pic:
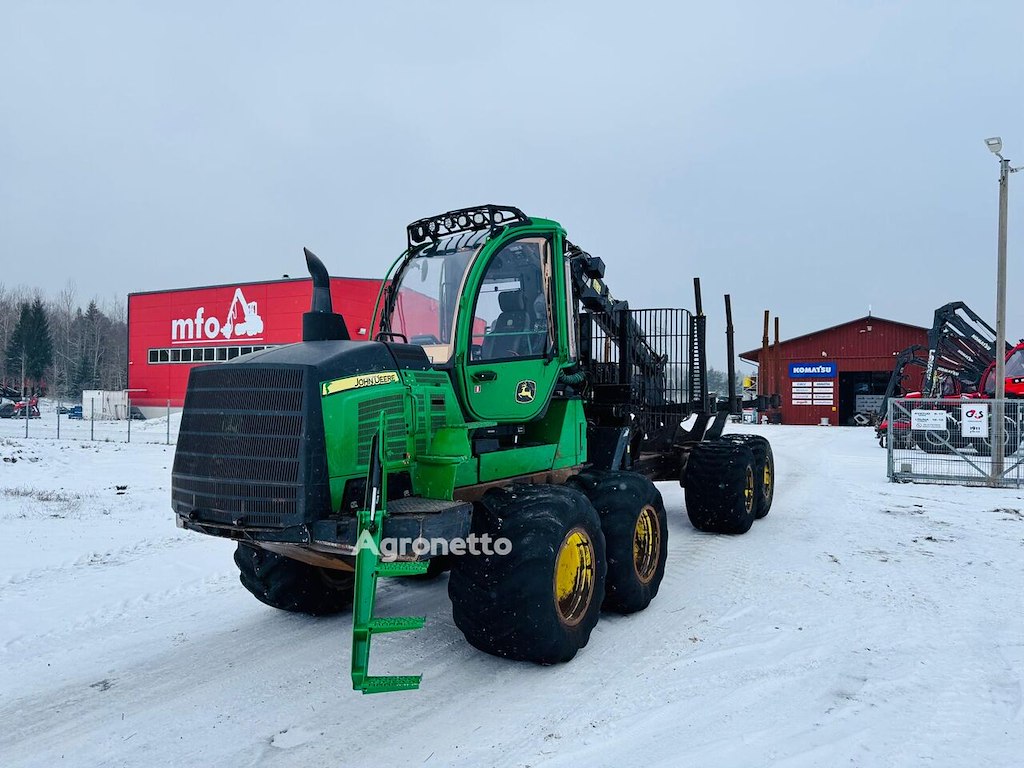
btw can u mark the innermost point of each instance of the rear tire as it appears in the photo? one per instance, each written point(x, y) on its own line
point(635, 530)
point(720, 490)
point(764, 471)
point(541, 600)
point(289, 585)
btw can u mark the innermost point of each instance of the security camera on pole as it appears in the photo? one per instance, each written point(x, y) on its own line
point(995, 145)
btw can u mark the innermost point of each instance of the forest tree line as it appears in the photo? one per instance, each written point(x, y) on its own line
point(61, 345)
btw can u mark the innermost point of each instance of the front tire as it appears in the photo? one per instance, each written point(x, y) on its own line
point(289, 585)
point(541, 600)
point(635, 530)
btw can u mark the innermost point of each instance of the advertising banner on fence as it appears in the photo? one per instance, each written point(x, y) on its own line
point(974, 419)
point(923, 418)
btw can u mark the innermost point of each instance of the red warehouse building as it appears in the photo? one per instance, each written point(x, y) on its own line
point(169, 332)
point(836, 372)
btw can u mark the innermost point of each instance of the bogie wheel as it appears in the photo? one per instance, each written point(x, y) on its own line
point(764, 471)
point(539, 599)
point(720, 487)
point(635, 530)
point(283, 583)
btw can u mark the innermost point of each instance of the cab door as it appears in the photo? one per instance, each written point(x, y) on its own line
point(508, 360)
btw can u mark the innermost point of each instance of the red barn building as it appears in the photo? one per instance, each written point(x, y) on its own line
point(836, 372)
point(171, 331)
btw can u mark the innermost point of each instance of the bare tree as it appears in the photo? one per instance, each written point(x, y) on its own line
point(115, 373)
point(65, 344)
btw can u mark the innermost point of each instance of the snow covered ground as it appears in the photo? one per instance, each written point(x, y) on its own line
point(860, 624)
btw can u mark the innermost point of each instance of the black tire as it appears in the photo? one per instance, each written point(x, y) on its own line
point(720, 488)
point(764, 471)
point(507, 605)
point(1011, 440)
point(635, 530)
point(283, 583)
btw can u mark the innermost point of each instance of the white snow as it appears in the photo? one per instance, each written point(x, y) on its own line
point(860, 624)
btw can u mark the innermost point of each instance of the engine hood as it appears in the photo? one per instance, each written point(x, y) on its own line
point(333, 359)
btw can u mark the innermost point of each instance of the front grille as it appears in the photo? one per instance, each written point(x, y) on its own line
point(249, 447)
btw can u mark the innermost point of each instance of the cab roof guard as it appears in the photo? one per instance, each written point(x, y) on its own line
point(491, 217)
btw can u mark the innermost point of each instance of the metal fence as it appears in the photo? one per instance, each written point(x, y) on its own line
point(52, 421)
point(949, 440)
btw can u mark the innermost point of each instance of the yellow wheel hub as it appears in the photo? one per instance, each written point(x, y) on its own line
point(574, 576)
point(767, 479)
point(748, 491)
point(646, 544)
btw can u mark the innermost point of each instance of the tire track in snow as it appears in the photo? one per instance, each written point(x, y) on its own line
point(18, 583)
point(113, 613)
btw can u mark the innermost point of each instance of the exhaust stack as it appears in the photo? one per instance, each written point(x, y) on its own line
point(321, 323)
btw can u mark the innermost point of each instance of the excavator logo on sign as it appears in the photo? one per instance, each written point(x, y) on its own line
point(243, 320)
point(525, 391)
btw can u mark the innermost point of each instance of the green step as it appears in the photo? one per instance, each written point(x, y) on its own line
point(386, 683)
point(395, 623)
point(368, 568)
point(402, 569)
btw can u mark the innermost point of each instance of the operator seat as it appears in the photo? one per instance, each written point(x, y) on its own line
point(504, 337)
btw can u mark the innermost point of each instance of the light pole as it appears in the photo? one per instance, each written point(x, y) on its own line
point(995, 145)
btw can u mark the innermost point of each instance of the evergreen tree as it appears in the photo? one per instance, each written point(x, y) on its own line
point(39, 352)
point(30, 344)
point(83, 376)
point(94, 347)
point(16, 347)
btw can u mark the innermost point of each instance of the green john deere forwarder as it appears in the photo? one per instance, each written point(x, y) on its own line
point(507, 397)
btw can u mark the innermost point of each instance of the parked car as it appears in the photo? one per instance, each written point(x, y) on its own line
point(135, 414)
point(62, 409)
point(32, 405)
point(75, 412)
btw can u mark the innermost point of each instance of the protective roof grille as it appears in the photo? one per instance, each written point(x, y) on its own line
point(489, 217)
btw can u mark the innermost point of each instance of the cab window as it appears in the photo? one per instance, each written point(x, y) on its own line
point(425, 295)
point(512, 311)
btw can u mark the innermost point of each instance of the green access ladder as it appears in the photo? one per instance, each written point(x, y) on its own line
point(368, 569)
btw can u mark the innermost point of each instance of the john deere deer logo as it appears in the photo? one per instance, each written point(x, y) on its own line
point(526, 391)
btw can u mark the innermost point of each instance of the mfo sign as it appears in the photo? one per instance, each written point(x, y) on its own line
point(812, 370)
point(242, 319)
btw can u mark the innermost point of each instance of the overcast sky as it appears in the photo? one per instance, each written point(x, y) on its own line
point(809, 158)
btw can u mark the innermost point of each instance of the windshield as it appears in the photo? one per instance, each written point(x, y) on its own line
point(425, 294)
point(1014, 369)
